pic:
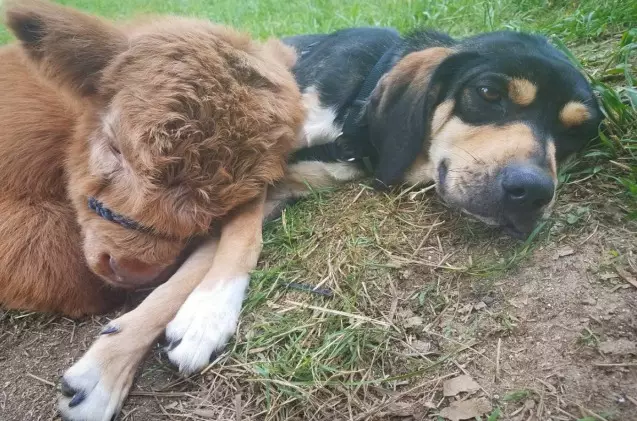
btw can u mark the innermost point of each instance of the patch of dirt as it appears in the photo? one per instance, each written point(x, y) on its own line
point(561, 311)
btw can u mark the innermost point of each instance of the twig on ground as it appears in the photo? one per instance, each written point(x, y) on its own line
point(497, 360)
point(590, 236)
point(435, 224)
point(309, 288)
point(591, 413)
point(626, 276)
point(72, 334)
point(568, 414)
point(129, 413)
point(615, 364)
point(238, 407)
point(356, 198)
point(140, 393)
point(41, 380)
point(339, 313)
point(376, 408)
point(620, 165)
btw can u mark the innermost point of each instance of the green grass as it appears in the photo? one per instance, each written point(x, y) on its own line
point(586, 19)
point(301, 360)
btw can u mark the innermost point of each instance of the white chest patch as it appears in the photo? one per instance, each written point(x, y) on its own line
point(320, 126)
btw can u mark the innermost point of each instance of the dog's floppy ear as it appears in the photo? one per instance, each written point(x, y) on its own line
point(401, 109)
point(68, 46)
point(284, 53)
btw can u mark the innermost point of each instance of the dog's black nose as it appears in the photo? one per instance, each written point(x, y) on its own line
point(526, 188)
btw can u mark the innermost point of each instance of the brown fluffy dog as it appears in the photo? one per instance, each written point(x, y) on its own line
point(173, 124)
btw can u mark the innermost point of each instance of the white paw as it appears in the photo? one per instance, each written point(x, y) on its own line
point(205, 323)
point(95, 387)
point(86, 396)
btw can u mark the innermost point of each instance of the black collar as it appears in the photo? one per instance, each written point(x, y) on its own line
point(349, 146)
point(100, 209)
point(352, 122)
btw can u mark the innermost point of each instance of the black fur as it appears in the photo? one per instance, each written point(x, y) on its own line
point(403, 129)
point(338, 64)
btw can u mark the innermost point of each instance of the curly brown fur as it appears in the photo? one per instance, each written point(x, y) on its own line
point(173, 123)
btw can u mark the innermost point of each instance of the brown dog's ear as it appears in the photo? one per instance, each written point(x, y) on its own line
point(67, 45)
point(400, 112)
point(284, 53)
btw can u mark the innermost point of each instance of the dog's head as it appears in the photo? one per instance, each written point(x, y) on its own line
point(179, 122)
point(488, 119)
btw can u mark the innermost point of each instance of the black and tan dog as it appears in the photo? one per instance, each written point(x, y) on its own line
point(486, 118)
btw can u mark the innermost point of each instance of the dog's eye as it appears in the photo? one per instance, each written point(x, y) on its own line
point(489, 94)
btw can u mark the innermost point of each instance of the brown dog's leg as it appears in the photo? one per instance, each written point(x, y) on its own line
point(209, 316)
point(94, 388)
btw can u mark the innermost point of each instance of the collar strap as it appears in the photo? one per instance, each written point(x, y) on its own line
point(340, 150)
point(100, 209)
point(348, 147)
point(355, 112)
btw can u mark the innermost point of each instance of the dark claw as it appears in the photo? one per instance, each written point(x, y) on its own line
point(108, 329)
point(173, 345)
point(213, 356)
point(77, 399)
point(66, 388)
point(113, 417)
point(163, 341)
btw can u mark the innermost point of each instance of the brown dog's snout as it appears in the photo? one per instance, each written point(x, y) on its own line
point(129, 271)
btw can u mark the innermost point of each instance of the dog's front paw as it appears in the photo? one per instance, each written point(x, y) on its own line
point(204, 324)
point(88, 394)
point(95, 387)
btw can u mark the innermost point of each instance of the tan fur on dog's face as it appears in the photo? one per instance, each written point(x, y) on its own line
point(487, 122)
point(180, 122)
point(474, 156)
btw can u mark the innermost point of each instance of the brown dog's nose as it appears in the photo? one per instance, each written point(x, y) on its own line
point(132, 271)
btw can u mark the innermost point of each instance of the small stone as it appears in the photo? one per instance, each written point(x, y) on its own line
point(488, 300)
point(466, 410)
point(413, 322)
point(465, 309)
point(618, 347)
point(401, 409)
point(463, 383)
point(565, 251)
point(421, 346)
point(479, 305)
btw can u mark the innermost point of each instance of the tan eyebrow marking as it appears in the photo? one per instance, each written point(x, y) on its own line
point(442, 114)
point(522, 91)
point(574, 113)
